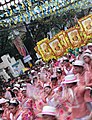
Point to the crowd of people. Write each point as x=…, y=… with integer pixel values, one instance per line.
x=58, y=90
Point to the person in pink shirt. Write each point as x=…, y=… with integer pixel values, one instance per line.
x=88, y=61
x=85, y=79
x=59, y=75
x=17, y=113
x=75, y=98
x=68, y=68
x=4, y=104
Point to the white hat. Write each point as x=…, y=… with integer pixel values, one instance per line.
x=89, y=44
x=3, y=100
x=78, y=63
x=46, y=84
x=32, y=71
x=70, y=79
x=17, y=85
x=23, y=89
x=87, y=54
x=87, y=51
x=13, y=101
x=15, y=88
x=48, y=110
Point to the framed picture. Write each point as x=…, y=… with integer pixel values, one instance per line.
x=56, y=47
x=86, y=24
x=74, y=37
x=45, y=50
x=64, y=40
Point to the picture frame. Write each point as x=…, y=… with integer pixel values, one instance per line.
x=45, y=50
x=56, y=47
x=74, y=37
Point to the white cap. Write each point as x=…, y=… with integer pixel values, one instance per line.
x=3, y=100
x=48, y=110
x=78, y=63
x=70, y=79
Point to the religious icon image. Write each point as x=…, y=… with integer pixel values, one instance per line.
x=87, y=24
x=56, y=47
x=74, y=37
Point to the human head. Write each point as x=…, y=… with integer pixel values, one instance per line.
x=24, y=91
x=13, y=106
x=66, y=62
x=78, y=66
x=4, y=102
x=87, y=58
x=47, y=89
x=15, y=90
x=48, y=113
x=70, y=80
x=54, y=80
x=59, y=72
x=89, y=46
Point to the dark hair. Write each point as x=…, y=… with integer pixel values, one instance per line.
x=66, y=60
x=74, y=83
x=79, y=66
x=14, y=104
x=54, y=78
x=48, y=87
x=59, y=70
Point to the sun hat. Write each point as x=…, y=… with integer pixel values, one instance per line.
x=3, y=100
x=79, y=63
x=87, y=51
x=88, y=55
x=70, y=79
x=48, y=110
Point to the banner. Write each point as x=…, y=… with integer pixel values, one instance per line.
x=20, y=46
